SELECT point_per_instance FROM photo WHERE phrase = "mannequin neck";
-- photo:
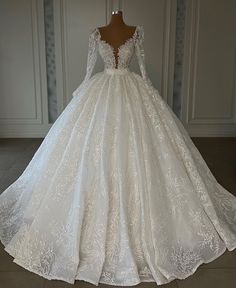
(117, 18)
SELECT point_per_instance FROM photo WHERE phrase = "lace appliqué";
(92, 53)
(123, 54)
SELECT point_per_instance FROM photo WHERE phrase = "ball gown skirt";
(117, 192)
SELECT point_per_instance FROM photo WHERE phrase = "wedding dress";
(117, 192)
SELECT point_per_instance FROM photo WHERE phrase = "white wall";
(209, 83)
(23, 99)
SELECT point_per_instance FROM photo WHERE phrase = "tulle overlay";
(117, 192)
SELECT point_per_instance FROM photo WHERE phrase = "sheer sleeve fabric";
(140, 54)
(92, 53)
(91, 58)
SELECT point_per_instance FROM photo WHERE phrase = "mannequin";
(116, 32)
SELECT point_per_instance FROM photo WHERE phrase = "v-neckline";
(120, 46)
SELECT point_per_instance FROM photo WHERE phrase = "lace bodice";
(121, 58)
(125, 52)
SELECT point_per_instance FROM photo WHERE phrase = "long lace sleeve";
(140, 54)
(92, 53)
(91, 58)
(139, 51)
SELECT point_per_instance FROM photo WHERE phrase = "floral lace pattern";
(107, 52)
(117, 192)
(125, 50)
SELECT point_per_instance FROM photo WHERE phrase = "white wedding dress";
(117, 193)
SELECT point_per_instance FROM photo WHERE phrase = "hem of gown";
(115, 284)
(171, 278)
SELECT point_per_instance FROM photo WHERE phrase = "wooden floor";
(220, 155)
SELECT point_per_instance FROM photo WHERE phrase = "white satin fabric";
(117, 192)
